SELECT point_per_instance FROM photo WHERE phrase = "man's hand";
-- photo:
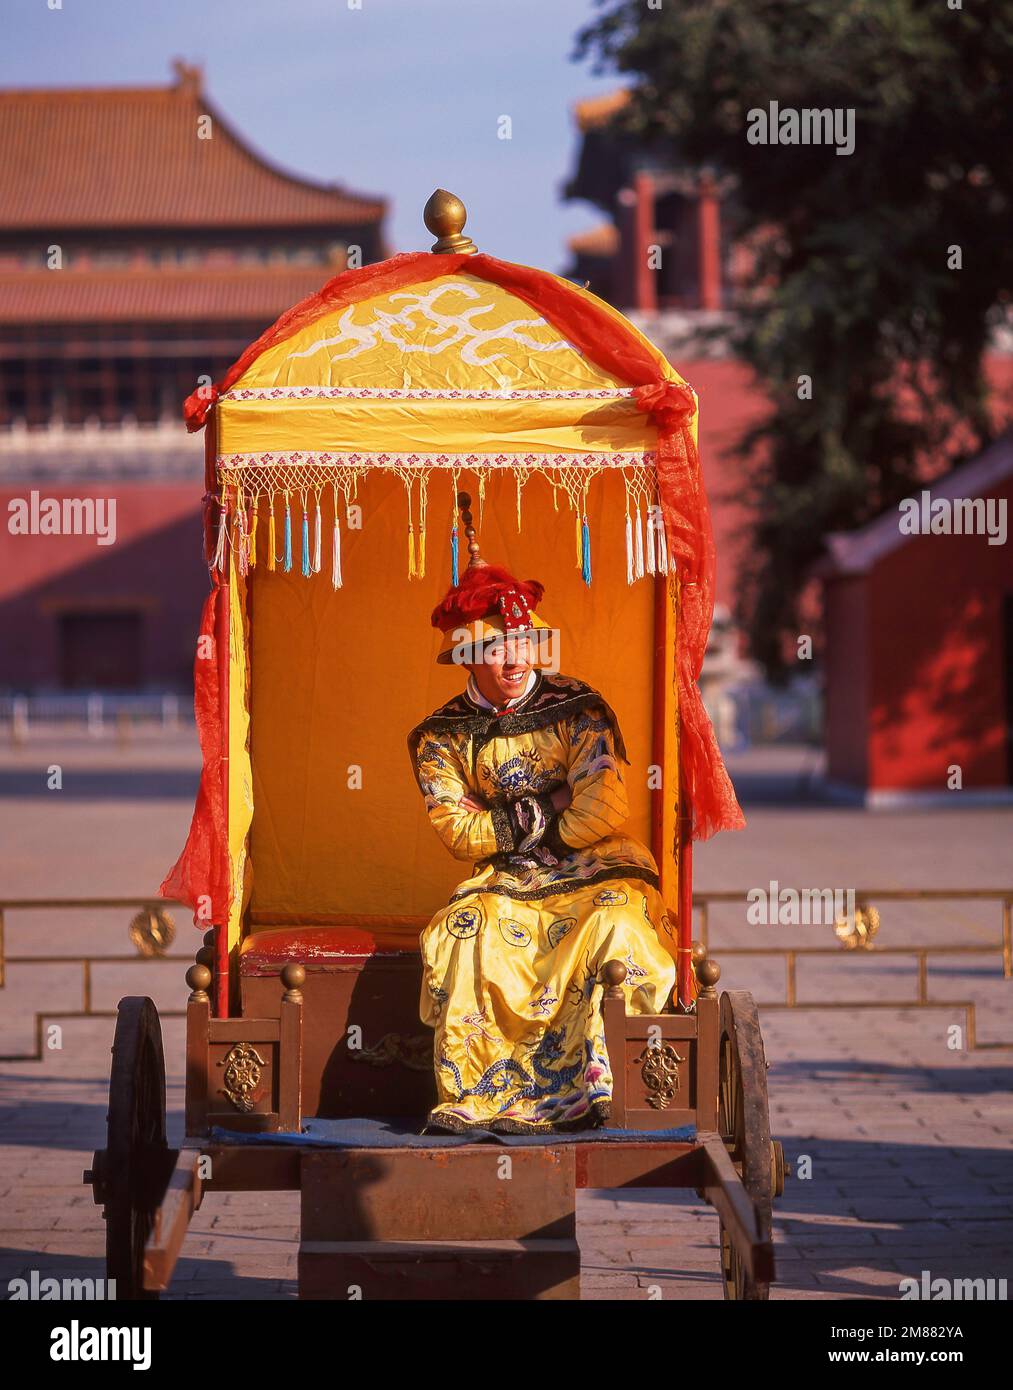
(560, 798)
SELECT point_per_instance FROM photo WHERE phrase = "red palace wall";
(730, 402)
(937, 666)
(155, 569)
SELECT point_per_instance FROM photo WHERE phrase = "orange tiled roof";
(168, 295)
(130, 157)
(602, 240)
(596, 112)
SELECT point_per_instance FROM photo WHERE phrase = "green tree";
(854, 269)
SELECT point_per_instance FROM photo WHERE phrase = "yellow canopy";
(337, 445)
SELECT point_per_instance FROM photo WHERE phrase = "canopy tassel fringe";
(223, 522)
(336, 579)
(287, 566)
(306, 570)
(662, 549)
(238, 522)
(318, 528)
(242, 544)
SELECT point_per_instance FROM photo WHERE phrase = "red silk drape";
(201, 876)
(610, 344)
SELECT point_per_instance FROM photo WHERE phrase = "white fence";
(95, 712)
(743, 715)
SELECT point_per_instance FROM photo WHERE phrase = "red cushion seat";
(267, 948)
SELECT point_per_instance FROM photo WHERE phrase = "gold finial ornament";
(445, 216)
(470, 534)
(293, 977)
(199, 978)
(614, 973)
(708, 972)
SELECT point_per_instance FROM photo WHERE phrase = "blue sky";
(396, 97)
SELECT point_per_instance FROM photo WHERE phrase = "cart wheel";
(744, 1124)
(131, 1174)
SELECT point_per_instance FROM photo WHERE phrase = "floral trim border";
(228, 463)
(419, 393)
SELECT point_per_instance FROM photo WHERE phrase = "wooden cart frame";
(418, 1222)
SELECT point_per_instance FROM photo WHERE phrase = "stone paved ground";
(910, 1143)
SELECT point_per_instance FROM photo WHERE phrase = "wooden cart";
(306, 1067)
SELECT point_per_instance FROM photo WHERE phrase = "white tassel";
(223, 520)
(662, 548)
(336, 556)
(638, 567)
(650, 540)
(316, 543)
(629, 549)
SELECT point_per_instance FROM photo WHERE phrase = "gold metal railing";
(86, 962)
(702, 903)
(1003, 948)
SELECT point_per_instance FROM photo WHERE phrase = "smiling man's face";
(503, 672)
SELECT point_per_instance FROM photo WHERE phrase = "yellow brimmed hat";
(464, 638)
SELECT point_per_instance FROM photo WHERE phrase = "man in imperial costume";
(522, 775)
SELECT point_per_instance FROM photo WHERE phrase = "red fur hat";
(488, 603)
(484, 591)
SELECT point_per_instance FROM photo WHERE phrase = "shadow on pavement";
(157, 784)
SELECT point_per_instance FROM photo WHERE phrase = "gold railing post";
(1007, 937)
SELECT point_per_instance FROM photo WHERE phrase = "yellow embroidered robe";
(512, 966)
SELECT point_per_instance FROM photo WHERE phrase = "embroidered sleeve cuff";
(503, 827)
